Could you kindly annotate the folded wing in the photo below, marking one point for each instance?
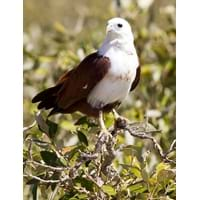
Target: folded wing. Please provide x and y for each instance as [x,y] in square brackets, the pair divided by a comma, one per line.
[74,85]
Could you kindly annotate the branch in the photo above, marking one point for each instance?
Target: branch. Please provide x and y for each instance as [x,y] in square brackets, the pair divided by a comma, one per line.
[40,179]
[46,166]
[62,180]
[26,128]
[171,148]
[135,130]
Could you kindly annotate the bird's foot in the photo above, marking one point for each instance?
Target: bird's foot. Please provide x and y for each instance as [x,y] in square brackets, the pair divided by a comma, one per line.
[120,121]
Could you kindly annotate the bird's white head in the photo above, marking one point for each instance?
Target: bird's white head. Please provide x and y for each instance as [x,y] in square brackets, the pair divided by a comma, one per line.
[118,34]
[118,28]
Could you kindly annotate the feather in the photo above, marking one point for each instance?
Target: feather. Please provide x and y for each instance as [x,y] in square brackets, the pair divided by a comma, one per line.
[137,79]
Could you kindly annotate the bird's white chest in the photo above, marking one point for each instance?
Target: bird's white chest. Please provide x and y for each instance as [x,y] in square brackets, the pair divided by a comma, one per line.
[116,84]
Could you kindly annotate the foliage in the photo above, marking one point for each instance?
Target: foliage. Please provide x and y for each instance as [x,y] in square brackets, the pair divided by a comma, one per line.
[61,158]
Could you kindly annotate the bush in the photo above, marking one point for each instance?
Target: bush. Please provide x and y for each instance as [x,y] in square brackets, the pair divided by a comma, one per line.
[66,157]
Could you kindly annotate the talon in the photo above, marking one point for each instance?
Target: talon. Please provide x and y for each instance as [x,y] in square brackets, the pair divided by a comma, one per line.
[119,120]
[121,123]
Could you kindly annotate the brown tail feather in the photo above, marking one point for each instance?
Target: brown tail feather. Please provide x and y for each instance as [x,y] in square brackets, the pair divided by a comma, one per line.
[55,110]
[47,98]
[47,103]
[45,94]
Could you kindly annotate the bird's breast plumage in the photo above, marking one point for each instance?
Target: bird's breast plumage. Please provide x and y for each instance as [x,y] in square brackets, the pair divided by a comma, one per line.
[116,84]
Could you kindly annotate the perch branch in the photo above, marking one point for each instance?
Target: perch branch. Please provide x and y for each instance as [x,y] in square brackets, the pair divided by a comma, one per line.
[142,134]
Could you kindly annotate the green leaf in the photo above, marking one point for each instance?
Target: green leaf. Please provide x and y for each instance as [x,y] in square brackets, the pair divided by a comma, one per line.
[85,120]
[48,127]
[109,189]
[73,152]
[50,158]
[89,185]
[162,166]
[52,128]
[137,188]
[136,171]
[82,138]
[68,195]
[145,175]
[34,191]
[82,120]
[32,181]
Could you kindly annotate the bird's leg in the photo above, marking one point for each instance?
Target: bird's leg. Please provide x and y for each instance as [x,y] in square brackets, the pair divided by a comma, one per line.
[101,122]
[116,115]
[104,131]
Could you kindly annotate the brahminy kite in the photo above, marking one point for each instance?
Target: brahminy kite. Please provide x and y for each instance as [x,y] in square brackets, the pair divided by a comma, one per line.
[101,81]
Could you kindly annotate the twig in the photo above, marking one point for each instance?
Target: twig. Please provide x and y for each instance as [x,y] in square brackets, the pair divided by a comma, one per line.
[172,147]
[26,128]
[54,191]
[45,180]
[40,179]
[33,124]
[46,166]
[139,130]
[143,135]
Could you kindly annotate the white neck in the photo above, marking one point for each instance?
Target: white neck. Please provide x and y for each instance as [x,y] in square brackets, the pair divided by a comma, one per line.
[126,46]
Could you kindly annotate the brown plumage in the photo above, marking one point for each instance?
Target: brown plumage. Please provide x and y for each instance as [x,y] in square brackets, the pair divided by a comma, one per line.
[137,79]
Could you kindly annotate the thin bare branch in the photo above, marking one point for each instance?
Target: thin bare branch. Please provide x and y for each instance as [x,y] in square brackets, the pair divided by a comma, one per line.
[46,180]
[46,166]
[53,194]
[143,135]
[40,179]
[172,147]
[26,128]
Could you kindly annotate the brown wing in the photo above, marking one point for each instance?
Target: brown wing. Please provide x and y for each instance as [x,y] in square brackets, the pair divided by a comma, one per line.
[137,79]
[82,80]
[75,84]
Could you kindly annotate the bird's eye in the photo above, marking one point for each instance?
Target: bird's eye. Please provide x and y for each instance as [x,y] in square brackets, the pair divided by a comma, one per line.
[119,25]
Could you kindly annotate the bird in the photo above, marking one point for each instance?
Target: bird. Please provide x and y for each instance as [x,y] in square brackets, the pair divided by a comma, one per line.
[101,81]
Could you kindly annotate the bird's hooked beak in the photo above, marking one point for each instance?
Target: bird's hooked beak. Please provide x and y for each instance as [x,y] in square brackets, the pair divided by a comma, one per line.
[109,28]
